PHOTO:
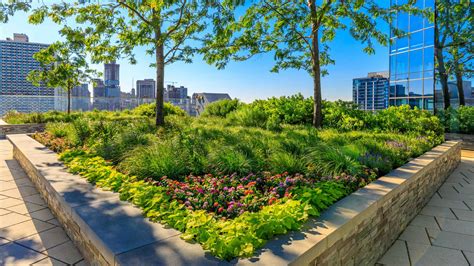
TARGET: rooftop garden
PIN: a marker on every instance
(241, 173)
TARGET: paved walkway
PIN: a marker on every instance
(29, 233)
(443, 232)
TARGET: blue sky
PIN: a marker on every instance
(247, 80)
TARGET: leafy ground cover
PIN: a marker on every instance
(231, 181)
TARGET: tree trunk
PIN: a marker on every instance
(459, 82)
(443, 76)
(69, 101)
(160, 79)
(316, 70)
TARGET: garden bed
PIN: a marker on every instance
(357, 229)
(240, 175)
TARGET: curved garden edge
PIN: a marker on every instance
(357, 229)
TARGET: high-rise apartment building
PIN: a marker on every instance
(16, 61)
(107, 92)
(146, 89)
(371, 93)
(173, 92)
(112, 85)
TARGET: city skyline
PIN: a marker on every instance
(246, 81)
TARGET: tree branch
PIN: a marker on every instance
(136, 12)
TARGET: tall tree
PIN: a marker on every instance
(459, 50)
(62, 65)
(454, 22)
(297, 32)
(116, 28)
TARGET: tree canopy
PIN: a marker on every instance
(298, 33)
(114, 29)
(62, 65)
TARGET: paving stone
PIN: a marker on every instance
(438, 212)
(26, 208)
(45, 240)
(3, 241)
(4, 211)
(36, 199)
(456, 226)
(424, 221)
(455, 204)
(397, 255)
(456, 196)
(82, 263)
(24, 229)
(415, 234)
(470, 204)
(14, 254)
(11, 219)
(49, 261)
(454, 241)
(4, 185)
(469, 257)
(66, 252)
(20, 192)
(54, 221)
(43, 215)
(434, 256)
(464, 215)
(8, 202)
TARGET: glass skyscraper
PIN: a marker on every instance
(412, 60)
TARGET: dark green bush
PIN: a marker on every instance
(459, 120)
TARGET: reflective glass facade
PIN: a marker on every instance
(412, 60)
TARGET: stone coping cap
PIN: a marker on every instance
(129, 238)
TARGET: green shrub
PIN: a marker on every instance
(221, 108)
(343, 116)
(149, 110)
(459, 120)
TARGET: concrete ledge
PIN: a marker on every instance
(356, 230)
(467, 140)
(7, 129)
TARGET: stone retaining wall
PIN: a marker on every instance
(356, 230)
(20, 129)
(467, 139)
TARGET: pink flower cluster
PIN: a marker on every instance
(230, 195)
